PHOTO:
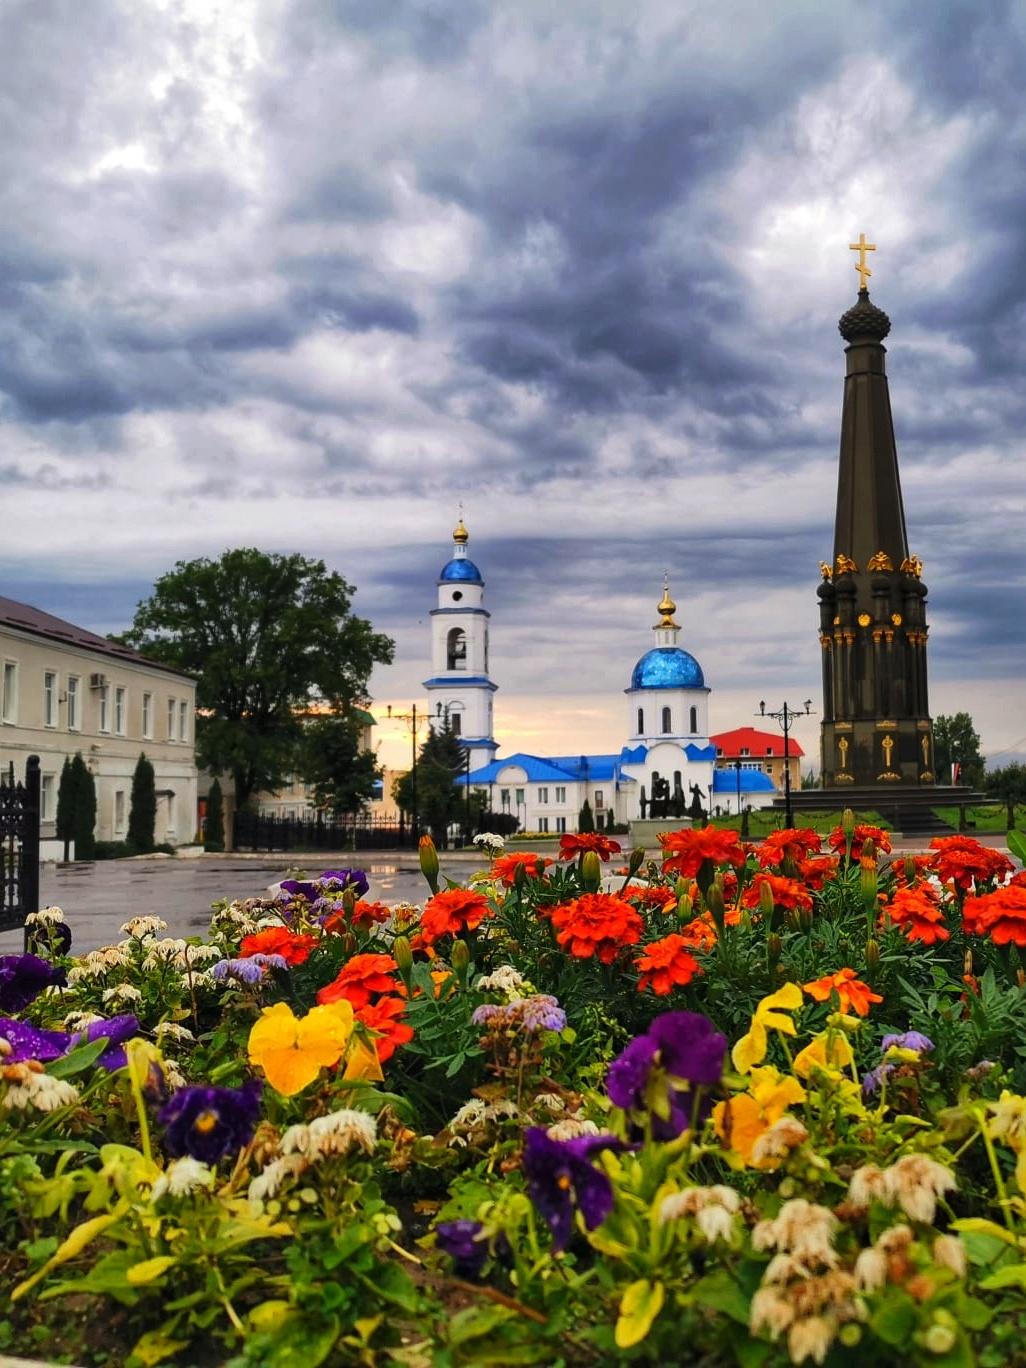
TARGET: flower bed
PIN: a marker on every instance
(747, 1105)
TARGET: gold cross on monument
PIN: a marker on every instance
(862, 247)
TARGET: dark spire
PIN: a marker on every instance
(864, 321)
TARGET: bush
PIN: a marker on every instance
(585, 820)
(142, 815)
(213, 825)
(112, 850)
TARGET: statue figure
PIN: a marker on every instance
(844, 565)
(912, 565)
(696, 810)
(826, 570)
(644, 802)
(678, 796)
(881, 561)
(660, 796)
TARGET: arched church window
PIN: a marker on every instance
(641, 721)
(694, 721)
(456, 724)
(456, 649)
(666, 721)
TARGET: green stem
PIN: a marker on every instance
(995, 1168)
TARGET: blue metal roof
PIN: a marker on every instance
(637, 756)
(591, 767)
(752, 781)
(456, 678)
(555, 769)
(459, 568)
(698, 753)
(667, 667)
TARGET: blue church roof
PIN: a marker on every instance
(667, 667)
(557, 769)
(459, 568)
(752, 781)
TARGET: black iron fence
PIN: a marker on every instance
(19, 845)
(250, 831)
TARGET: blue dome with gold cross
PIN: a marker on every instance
(667, 667)
(460, 570)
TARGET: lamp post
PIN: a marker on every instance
(737, 775)
(413, 720)
(784, 715)
(442, 714)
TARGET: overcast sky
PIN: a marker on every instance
(302, 274)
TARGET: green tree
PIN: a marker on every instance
(84, 825)
(142, 812)
(213, 820)
(440, 802)
(331, 760)
(263, 634)
(585, 820)
(956, 741)
(1009, 785)
(67, 798)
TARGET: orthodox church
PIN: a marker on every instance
(668, 755)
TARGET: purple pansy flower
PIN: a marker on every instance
(117, 1031)
(560, 1176)
(687, 1050)
(23, 978)
(208, 1123)
(299, 888)
(908, 1040)
(461, 1240)
(29, 1042)
(345, 878)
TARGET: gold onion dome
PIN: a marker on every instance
(666, 608)
(460, 534)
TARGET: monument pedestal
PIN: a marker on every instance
(645, 832)
(908, 810)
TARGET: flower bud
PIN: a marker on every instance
(847, 821)
(869, 884)
(460, 956)
(681, 887)
(872, 953)
(350, 898)
(637, 859)
(910, 869)
(766, 899)
(714, 902)
(794, 921)
(939, 1339)
(805, 918)
(773, 947)
(685, 907)
(348, 942)
(520, 877)
(429, 862)
(850, 1334)
(868, 850)
(402, 953)
(591, 871)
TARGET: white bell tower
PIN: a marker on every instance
(460, 687)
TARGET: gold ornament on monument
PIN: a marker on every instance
(844, 565)
(881, 561)
(912, 565)
(864, 619)
(826, 570)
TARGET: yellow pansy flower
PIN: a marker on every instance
(746, 1117)
(751, 1048)
(829, 1051)
(293, 1050)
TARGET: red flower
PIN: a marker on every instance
(360, 979)
(918, 913)
(700, 932)
(854, 995)
(816, 872)
(573, 845)
(1001, 915)
(293, 946)
(506, 866)
(966, 862)
(787, 893)
(657, 896)
(364, 914)
(793, 843)
(449, 913)
(920, 866)
(1018, 880)
(687, 850)
(665, 964)
(837, 840)
(383, 1017)
(596, 924)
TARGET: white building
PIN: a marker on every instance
(64, 689)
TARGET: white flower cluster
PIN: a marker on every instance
(784, 1135)
(914, 1183)
(713, 1209)
(181, 1178)
(236, 918)
(122, 992)
(30, 1087)
(571, 1128)
(142, 927)
(504, 979)
(490, 842)
(171, 1031)
(46, 916)
(337, 1133)
(475, 1114)
(78, 1021)
(97, 962)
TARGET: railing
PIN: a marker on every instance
(19, 845)
(250, 831)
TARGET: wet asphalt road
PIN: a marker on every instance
(98, 898)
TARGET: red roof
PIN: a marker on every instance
(754, 743)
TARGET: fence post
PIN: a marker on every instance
(28, 880)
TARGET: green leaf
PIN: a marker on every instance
(1012, 1276)
(720, 1291)
(78, 1059)
(639, 1306)
(149, 1270)
(894, 1319)
(474, 1322)
(1017, 845)
(154, 1347)
(304, 1342)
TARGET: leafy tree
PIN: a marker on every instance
(213, 821)
(501, 823)
(84, 824)
(66, 802)
(1009, 784)
(262, 633)
(142, 813)
(330, 760)
(585, 820)
(810, 780)
(439, 801)
(956, 741)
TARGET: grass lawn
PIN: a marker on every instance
(764, 820)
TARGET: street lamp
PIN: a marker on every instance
(784, 715)
(442, 711)
(413, 720)
(737, 774)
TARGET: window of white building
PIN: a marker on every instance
(183, 720)
(641, 721)
(120, 709)
(74, 703)
(49, 698)
(172, 715)
(561, 824)
(600, 800)
(543, 824)
(9, 700)
(119, 812)
(667, 727)
(147, 715)
(520, 796)
(694, 721)
(560, 793)
(48, 797)
(456, 649)
(170, 814)
(504, 797)
(104, 724)
(543, 795)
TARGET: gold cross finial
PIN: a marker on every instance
(862, 247)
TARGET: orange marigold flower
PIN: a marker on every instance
(506, 866)
(792, 843)
(1000, 915)
(686, 851)
(456, 910)
(917, 911)
(293, 946)
(1018, 880)
(657, 896)
(817, 871)
(921, 866)
(665, 964)
(360, 979)
(571, 846)
(862, 833)
(596, 924)
(854, 995)
(787, 893)
(364, 914)
(383, 1017)
(700, 932)
(965, 862)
